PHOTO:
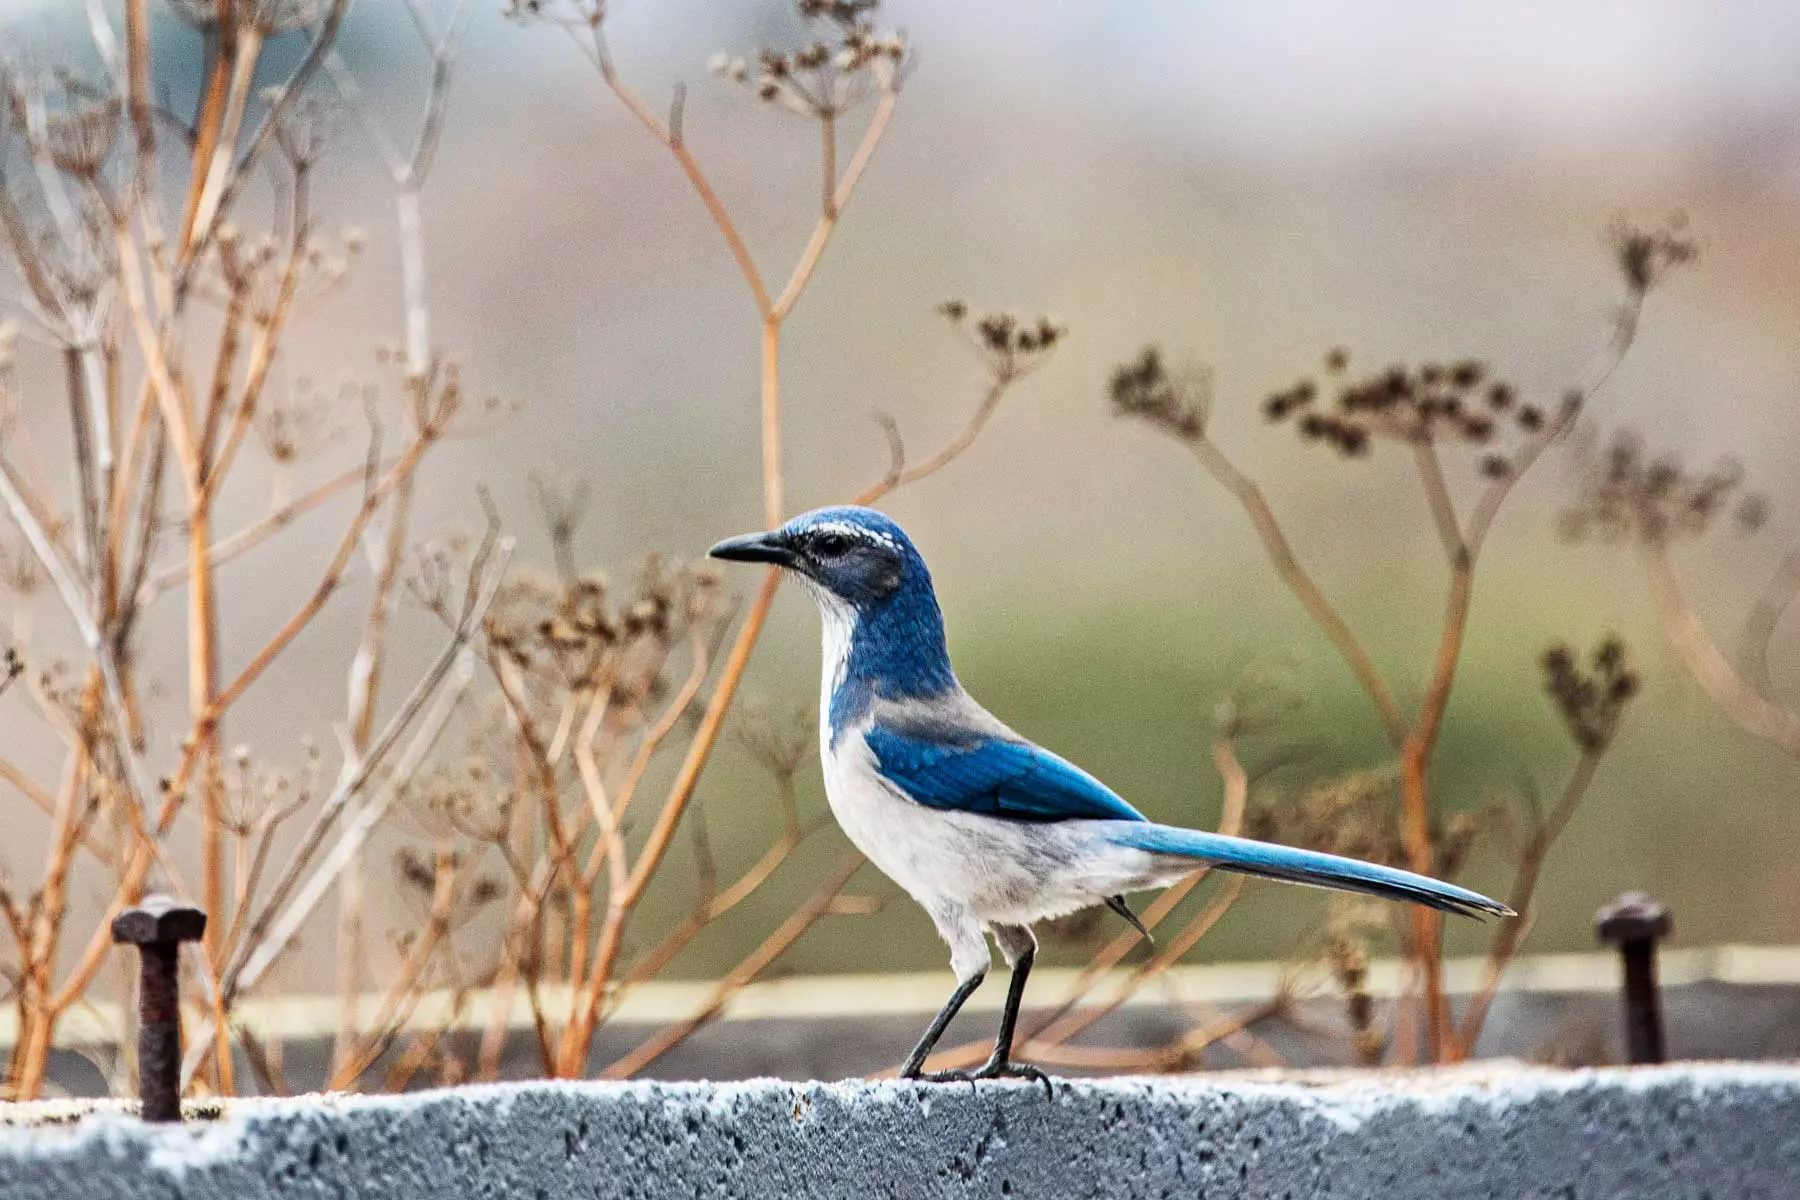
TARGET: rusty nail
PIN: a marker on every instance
(1635, 924)
(157, 927)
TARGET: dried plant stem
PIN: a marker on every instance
(269, 934)
(207, 125)
(310, 608)
(1421, 740)
(1415, 765)
(442, 688)
(209, 218)
(403, 990)
(1593, 377)
(671, 137)
(572, 1055)
(1166, 956)
(1746, 707)
(31, 1052)
(828, 223)
(1511, 934)
(712, 908)
(1443, 508)
(242, 58)
(572, 1051)
(899, 474)
(203, 682)
(822, 902)
(1765, 616)
(232, 545)
(771, 421)
(1462, 550)
(1287, 565)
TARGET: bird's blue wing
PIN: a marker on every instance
(992, 776)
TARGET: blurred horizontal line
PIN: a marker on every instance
(921, 993)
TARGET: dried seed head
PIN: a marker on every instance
(1430, 403)
(1645, 256)
(1621, 491)
(266, 16)
(1012, 345)
(844, 64)
(1591, 698)
(1178, 403)
(81, 136)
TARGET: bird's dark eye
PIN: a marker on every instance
(831, 545)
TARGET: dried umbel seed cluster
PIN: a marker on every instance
(264, 272)
(1355, 815)
(1266, 695)
(306, 420)
(80, 135)
(781, 740)
(1646, 256)
(1178, 403)
(1011, 344)
(1622, 492)
(1352, 815)
(258, 797)
(420, 873)
(831, 74)
(1591, 696)
(21, 573)
(463, 794)
(265, 16)
(1457, 403)
(567, 632)
(1352, 922)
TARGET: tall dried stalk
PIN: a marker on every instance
(1624, 494)
(124, 301)
(1419, 409)
(876, 63)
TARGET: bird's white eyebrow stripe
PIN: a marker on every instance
(855, 531)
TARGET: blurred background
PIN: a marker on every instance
(1248, 186)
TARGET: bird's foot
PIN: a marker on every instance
(952, 1076)
(1007, 1069)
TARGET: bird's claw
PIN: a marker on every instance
(951, 1076)
(1006, 1069)
(989, 1070)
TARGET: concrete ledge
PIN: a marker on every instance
(1714, 1131)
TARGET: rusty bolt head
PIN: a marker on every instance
(159, 919)
(1633, 917)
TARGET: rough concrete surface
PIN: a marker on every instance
(1716, 1132)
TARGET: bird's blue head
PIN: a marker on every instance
(855, 555)
(864, 571)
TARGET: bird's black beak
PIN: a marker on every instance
(755, 547)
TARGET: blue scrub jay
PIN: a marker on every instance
(990, 833)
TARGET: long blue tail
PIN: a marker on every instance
(1305, 866)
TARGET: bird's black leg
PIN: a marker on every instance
(1022, 947)
(915, 1062)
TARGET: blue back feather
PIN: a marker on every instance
(992, 776)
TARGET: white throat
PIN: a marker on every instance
(837, 620)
